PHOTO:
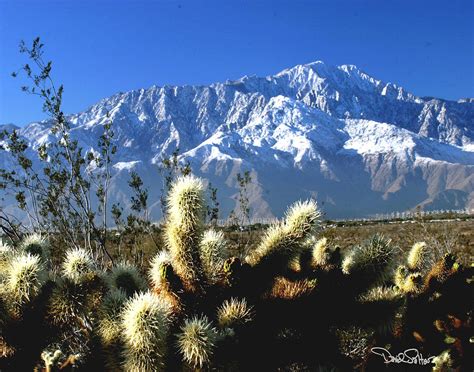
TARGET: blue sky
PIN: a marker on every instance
(102, 47)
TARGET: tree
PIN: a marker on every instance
(244, 180)
(213, 206)
(64, 190)
(169, 169)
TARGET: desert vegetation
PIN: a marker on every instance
(78, 292)
(202, 307)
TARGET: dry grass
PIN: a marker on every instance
(454, 235)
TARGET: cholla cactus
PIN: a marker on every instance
(441, 270)
(6, 252)
(443, 362)
(319, 253)
(292, 289)
(164, 281)
(324, 257)
(109, 325)
(283, 240)
(36, 244)
(24, 278)
(213, 252)
(184, 229)
(110, 328)
(158, 266)
(294, 263)
(386, 294)
(413, 283)
(286, 279)
(78, 265)
(234, 312)
(5, 248)
(417, 256)
(370, 259)
(400, 276)
(126, 277)
(301, 218)
(197, 341)
(51, 359)
(145, 322)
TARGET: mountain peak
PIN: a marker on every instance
(334, 132)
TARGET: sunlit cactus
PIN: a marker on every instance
(51, 359)
(284, 288)
(417, 256)
(109, 326)
(67, 303)
(284, 240)
(294, 263)
(371, 259)
(213, 252)
(126, 277)
(400, 275)
(5, 248)
(292, 286)
(443, 362)
(78, 265)
(302, 218)
(36, 244)
(145, 322)
(441, 270)
(164, 281)
(24, 278)
(184, 229)
(275, 240)
(381, 293)
(6, 253)
(234, 312)
(413, 283)
(319, 252)
(197, 341)
(157, 270)
(324, 257)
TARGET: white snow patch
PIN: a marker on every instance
(121, 165)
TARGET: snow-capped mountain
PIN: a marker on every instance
(359, 145)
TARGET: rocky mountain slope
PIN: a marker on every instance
(358, 145)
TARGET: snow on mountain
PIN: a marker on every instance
(359, 145)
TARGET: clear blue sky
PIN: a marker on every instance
(102, 47)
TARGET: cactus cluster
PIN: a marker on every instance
(295, 302)
(437, 311)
